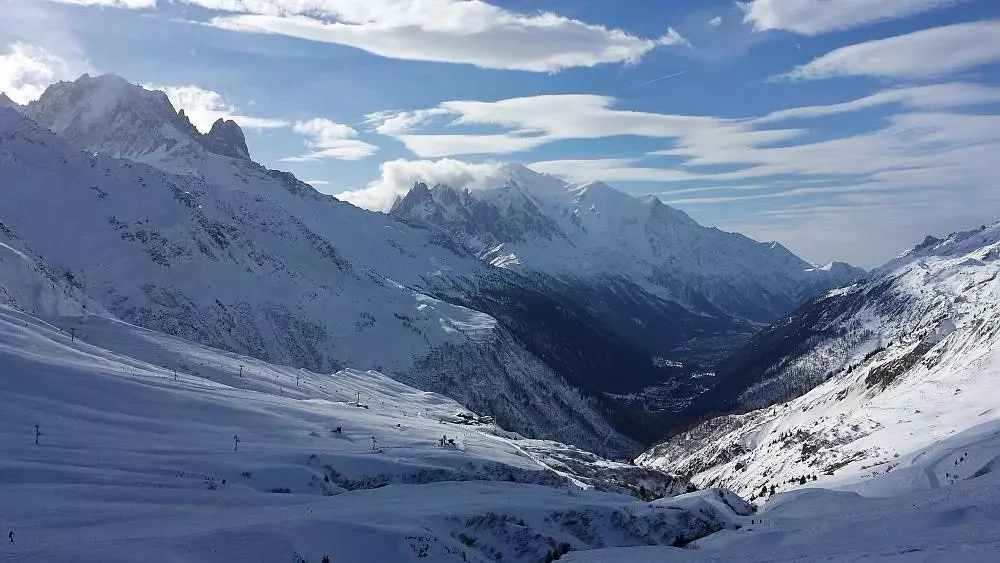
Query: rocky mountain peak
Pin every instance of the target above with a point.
(108, 114)
(226, 138)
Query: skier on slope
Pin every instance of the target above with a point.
(11, 536)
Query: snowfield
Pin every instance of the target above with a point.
(137, 460)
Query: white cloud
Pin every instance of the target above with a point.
(928, 53)
(132, 4)
(203, 107)
(26, 70)
(398, 176)
(715, 22)
(933, 96)
(747, 148)
(329, 139)
(814, 17)
(538, 120)
(611, 170)
(453, 31)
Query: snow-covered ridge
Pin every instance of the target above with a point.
(536, 223)
(887, 367)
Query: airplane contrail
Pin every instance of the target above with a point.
(654, 81)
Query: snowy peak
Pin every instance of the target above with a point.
(985, 239)
(303, 282)
(506, 215)
(527, 179)
(589, 231)
(108, 114)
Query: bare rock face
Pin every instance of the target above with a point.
(227, 139)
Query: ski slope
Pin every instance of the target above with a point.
(137, 460)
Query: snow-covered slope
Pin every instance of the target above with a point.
(28, 284)
(138, 460)
(893, 364)
(232, 269)
(645, 267)
(940, 504)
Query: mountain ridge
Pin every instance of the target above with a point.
(858, 377)
(684, 293)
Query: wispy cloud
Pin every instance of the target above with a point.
(935, 52)
(538, 120)
(452, 31)
(933, 96)
(132, 4)
(747, 143)
(814, 17)
(332, 140)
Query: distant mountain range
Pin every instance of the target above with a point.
(593, 237)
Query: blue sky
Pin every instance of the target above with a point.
(846, 129)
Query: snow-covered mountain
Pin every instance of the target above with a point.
(321, 285)
(859, 377)
(108, 114)
(624, 324)
(650, 270)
